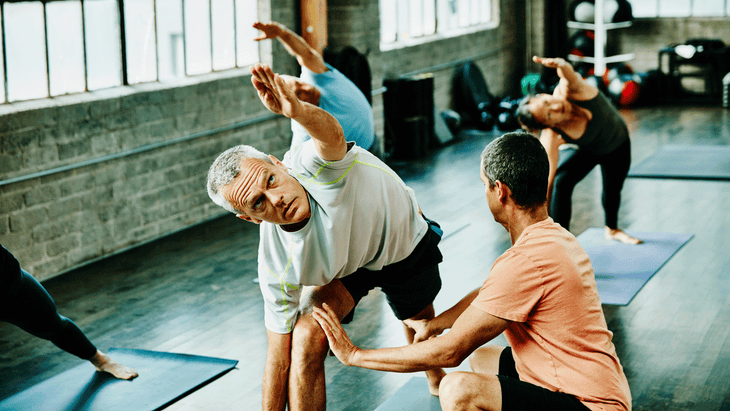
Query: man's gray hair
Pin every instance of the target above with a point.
(227, 167)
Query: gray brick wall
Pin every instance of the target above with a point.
(57, 222)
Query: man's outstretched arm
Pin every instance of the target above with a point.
(295, 45)
(470, 331)
(325, 130)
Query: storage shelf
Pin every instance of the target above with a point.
(611, 59)
(592, 26)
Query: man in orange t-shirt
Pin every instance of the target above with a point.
(541, 293)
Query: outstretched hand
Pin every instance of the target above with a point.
(273, 91)
(270, 30)
(340, 343)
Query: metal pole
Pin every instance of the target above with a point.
(123, 42)
(5, 50)
(83, 46)
(48, 60)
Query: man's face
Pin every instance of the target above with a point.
(266, 192)
(550, 110)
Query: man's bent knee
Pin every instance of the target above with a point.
(308, 338)
(466, 390)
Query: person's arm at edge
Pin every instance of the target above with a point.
(551, 141)
(275, 389)
(470, 331)
(294, 44)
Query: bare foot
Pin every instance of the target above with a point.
(104, 363)
(619, 235)
(434, 380)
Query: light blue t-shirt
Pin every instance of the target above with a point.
(341, 98)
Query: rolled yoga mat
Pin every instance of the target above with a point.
(621, 270)
(163, 379)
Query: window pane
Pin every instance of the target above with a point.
(402, 22)
(197, 37)
(26, 51)
(486, 11)
(644, 8)
(139, 22)
(674, 8)
(708, 8)
(65, 47)
(462, 7)
(474, 11)
(415, 21)
(103, 48)
(224, 56)
(171, 54)
(387, 21)
(446, 12)
(246, 16)
(429, 17)
(2, 70)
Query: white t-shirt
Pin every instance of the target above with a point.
(363, 215)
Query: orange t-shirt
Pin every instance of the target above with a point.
(560, 341)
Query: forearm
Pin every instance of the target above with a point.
(324, 129)
(446, 319)
(426, 355)
(304, 53)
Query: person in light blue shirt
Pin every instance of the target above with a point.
(324, 86)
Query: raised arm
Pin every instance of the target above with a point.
(571, 86)
(551, 141)
(295, 45)
(325, 130)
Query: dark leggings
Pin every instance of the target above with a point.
(25, 303)
(614, 168)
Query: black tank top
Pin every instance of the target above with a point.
(605, 131)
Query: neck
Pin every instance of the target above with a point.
(519, 219)
(290, 228)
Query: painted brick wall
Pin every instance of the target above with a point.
(64, 220)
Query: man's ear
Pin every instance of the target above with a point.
(276, 161)
(249, 218)
(503, 192)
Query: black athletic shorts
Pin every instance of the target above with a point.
(409, 285)
(522, 396)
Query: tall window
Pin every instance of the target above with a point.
(680, 8)
(55, 47)
(402, 21)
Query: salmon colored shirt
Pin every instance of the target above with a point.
(544, 284)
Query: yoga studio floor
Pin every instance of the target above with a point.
(193, 292)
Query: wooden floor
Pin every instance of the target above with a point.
(193, 292)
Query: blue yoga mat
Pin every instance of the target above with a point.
(413, 396)
(622, 269)
(686, 162)
(163, 379)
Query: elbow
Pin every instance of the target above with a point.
(453, 358)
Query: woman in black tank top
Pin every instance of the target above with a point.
(579, 114)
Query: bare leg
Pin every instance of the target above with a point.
(104, 363)
(485, 360)
(471, 391)
(310, 347)
(434, 375)
(619, 235)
